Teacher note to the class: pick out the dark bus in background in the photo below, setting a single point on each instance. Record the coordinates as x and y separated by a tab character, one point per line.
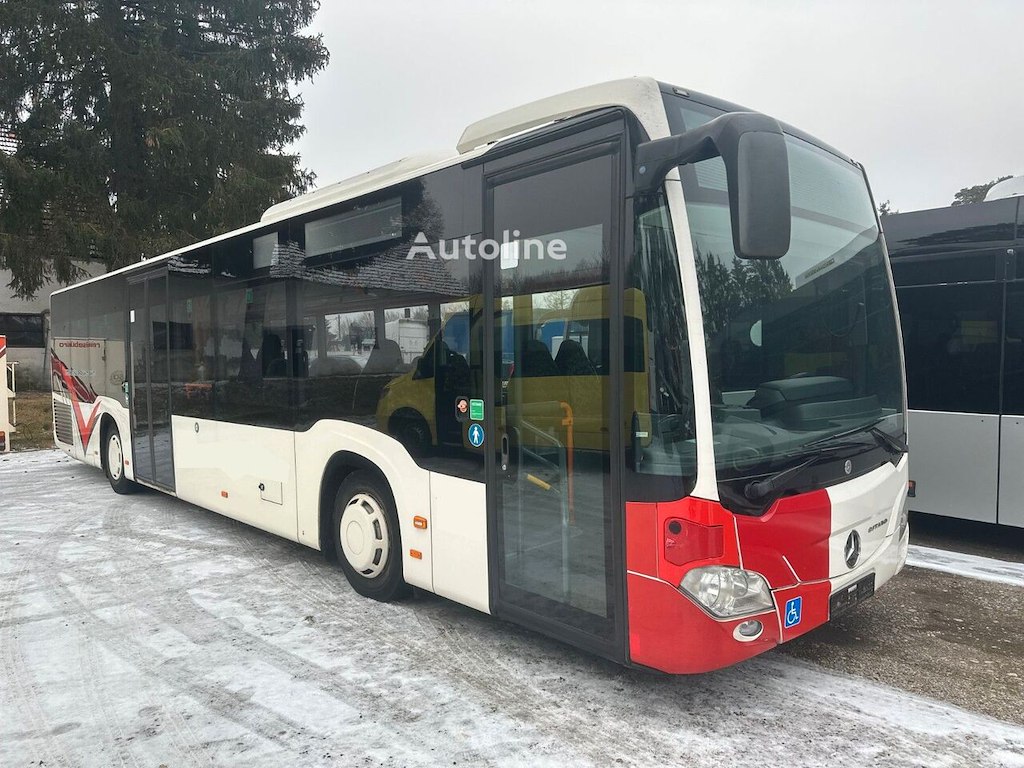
959	274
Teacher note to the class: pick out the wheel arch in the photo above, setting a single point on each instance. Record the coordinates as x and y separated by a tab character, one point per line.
107	422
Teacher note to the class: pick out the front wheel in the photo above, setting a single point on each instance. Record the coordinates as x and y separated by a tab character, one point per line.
367	539
113	466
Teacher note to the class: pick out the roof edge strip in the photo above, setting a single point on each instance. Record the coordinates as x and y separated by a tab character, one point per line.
363	183
640	95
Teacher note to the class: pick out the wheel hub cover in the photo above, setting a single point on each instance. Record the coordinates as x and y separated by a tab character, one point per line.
364	535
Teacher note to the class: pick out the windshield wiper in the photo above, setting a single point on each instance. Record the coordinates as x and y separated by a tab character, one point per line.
894	444
758	489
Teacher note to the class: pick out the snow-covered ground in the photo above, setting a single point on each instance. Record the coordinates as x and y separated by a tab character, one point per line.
143	631
962	564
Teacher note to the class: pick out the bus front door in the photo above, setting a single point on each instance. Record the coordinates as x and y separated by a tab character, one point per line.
553	491
149	381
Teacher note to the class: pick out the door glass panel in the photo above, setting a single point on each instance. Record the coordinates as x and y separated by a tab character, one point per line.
160	394
142	449
150	387
552	394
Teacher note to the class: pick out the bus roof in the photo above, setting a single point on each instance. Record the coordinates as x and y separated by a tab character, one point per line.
640	95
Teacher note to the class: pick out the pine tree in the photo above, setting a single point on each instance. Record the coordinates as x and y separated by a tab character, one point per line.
139	126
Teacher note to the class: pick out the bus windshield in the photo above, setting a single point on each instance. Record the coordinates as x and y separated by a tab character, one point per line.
803	347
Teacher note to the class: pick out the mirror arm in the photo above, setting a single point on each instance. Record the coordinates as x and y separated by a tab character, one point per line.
715	138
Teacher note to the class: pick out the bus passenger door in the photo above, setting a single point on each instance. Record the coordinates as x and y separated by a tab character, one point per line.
149	381
553	483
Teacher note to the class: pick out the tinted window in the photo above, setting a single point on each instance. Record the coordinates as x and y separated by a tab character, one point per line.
251	373
23	330
193	353
1013	351
953	228
951	339
386	341
959	267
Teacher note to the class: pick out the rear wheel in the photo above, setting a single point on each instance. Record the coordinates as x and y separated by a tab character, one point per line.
367	539
113	464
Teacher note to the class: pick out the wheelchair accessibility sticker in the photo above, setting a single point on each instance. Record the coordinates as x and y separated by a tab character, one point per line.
793	608
476	435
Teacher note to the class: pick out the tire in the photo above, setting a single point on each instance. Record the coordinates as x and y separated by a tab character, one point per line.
367	539
412	431
113	463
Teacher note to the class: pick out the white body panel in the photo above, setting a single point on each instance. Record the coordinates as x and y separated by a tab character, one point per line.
409	482
220	466
640	95
942	446
459	538
1012	187
869	504
1011	473
90	415
886	562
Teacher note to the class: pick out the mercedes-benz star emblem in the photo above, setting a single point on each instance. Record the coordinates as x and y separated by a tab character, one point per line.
848	467
852	549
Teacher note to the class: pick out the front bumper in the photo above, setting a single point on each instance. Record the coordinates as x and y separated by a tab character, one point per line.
671	633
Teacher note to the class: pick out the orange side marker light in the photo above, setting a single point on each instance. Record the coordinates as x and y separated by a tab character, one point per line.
415	554
224	494
419	522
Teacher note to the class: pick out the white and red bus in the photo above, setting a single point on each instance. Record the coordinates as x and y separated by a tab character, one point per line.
625	369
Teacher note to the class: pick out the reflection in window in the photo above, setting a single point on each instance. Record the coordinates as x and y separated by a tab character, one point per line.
658	382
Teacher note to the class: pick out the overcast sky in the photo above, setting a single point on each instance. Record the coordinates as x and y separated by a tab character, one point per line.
928	95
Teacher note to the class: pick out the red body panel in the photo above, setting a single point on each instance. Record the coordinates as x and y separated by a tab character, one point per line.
796	528
79	394
670	632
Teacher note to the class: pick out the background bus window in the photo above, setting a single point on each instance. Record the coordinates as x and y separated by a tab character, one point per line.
1013	351
952	344
23	330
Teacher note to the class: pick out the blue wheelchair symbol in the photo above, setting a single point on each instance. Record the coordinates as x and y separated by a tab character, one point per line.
793	609
476	435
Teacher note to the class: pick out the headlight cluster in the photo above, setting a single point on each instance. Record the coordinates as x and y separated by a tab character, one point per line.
901	526
727	592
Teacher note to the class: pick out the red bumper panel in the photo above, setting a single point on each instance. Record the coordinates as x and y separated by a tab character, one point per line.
670	633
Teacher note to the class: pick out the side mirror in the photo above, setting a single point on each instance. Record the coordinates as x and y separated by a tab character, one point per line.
757	170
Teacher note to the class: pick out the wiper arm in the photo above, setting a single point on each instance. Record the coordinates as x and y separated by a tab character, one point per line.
894	444
758	489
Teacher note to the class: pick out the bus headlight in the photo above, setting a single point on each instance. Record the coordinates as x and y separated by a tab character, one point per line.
727	592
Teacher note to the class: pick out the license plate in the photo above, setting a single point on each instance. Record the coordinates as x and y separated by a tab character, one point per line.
847	597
